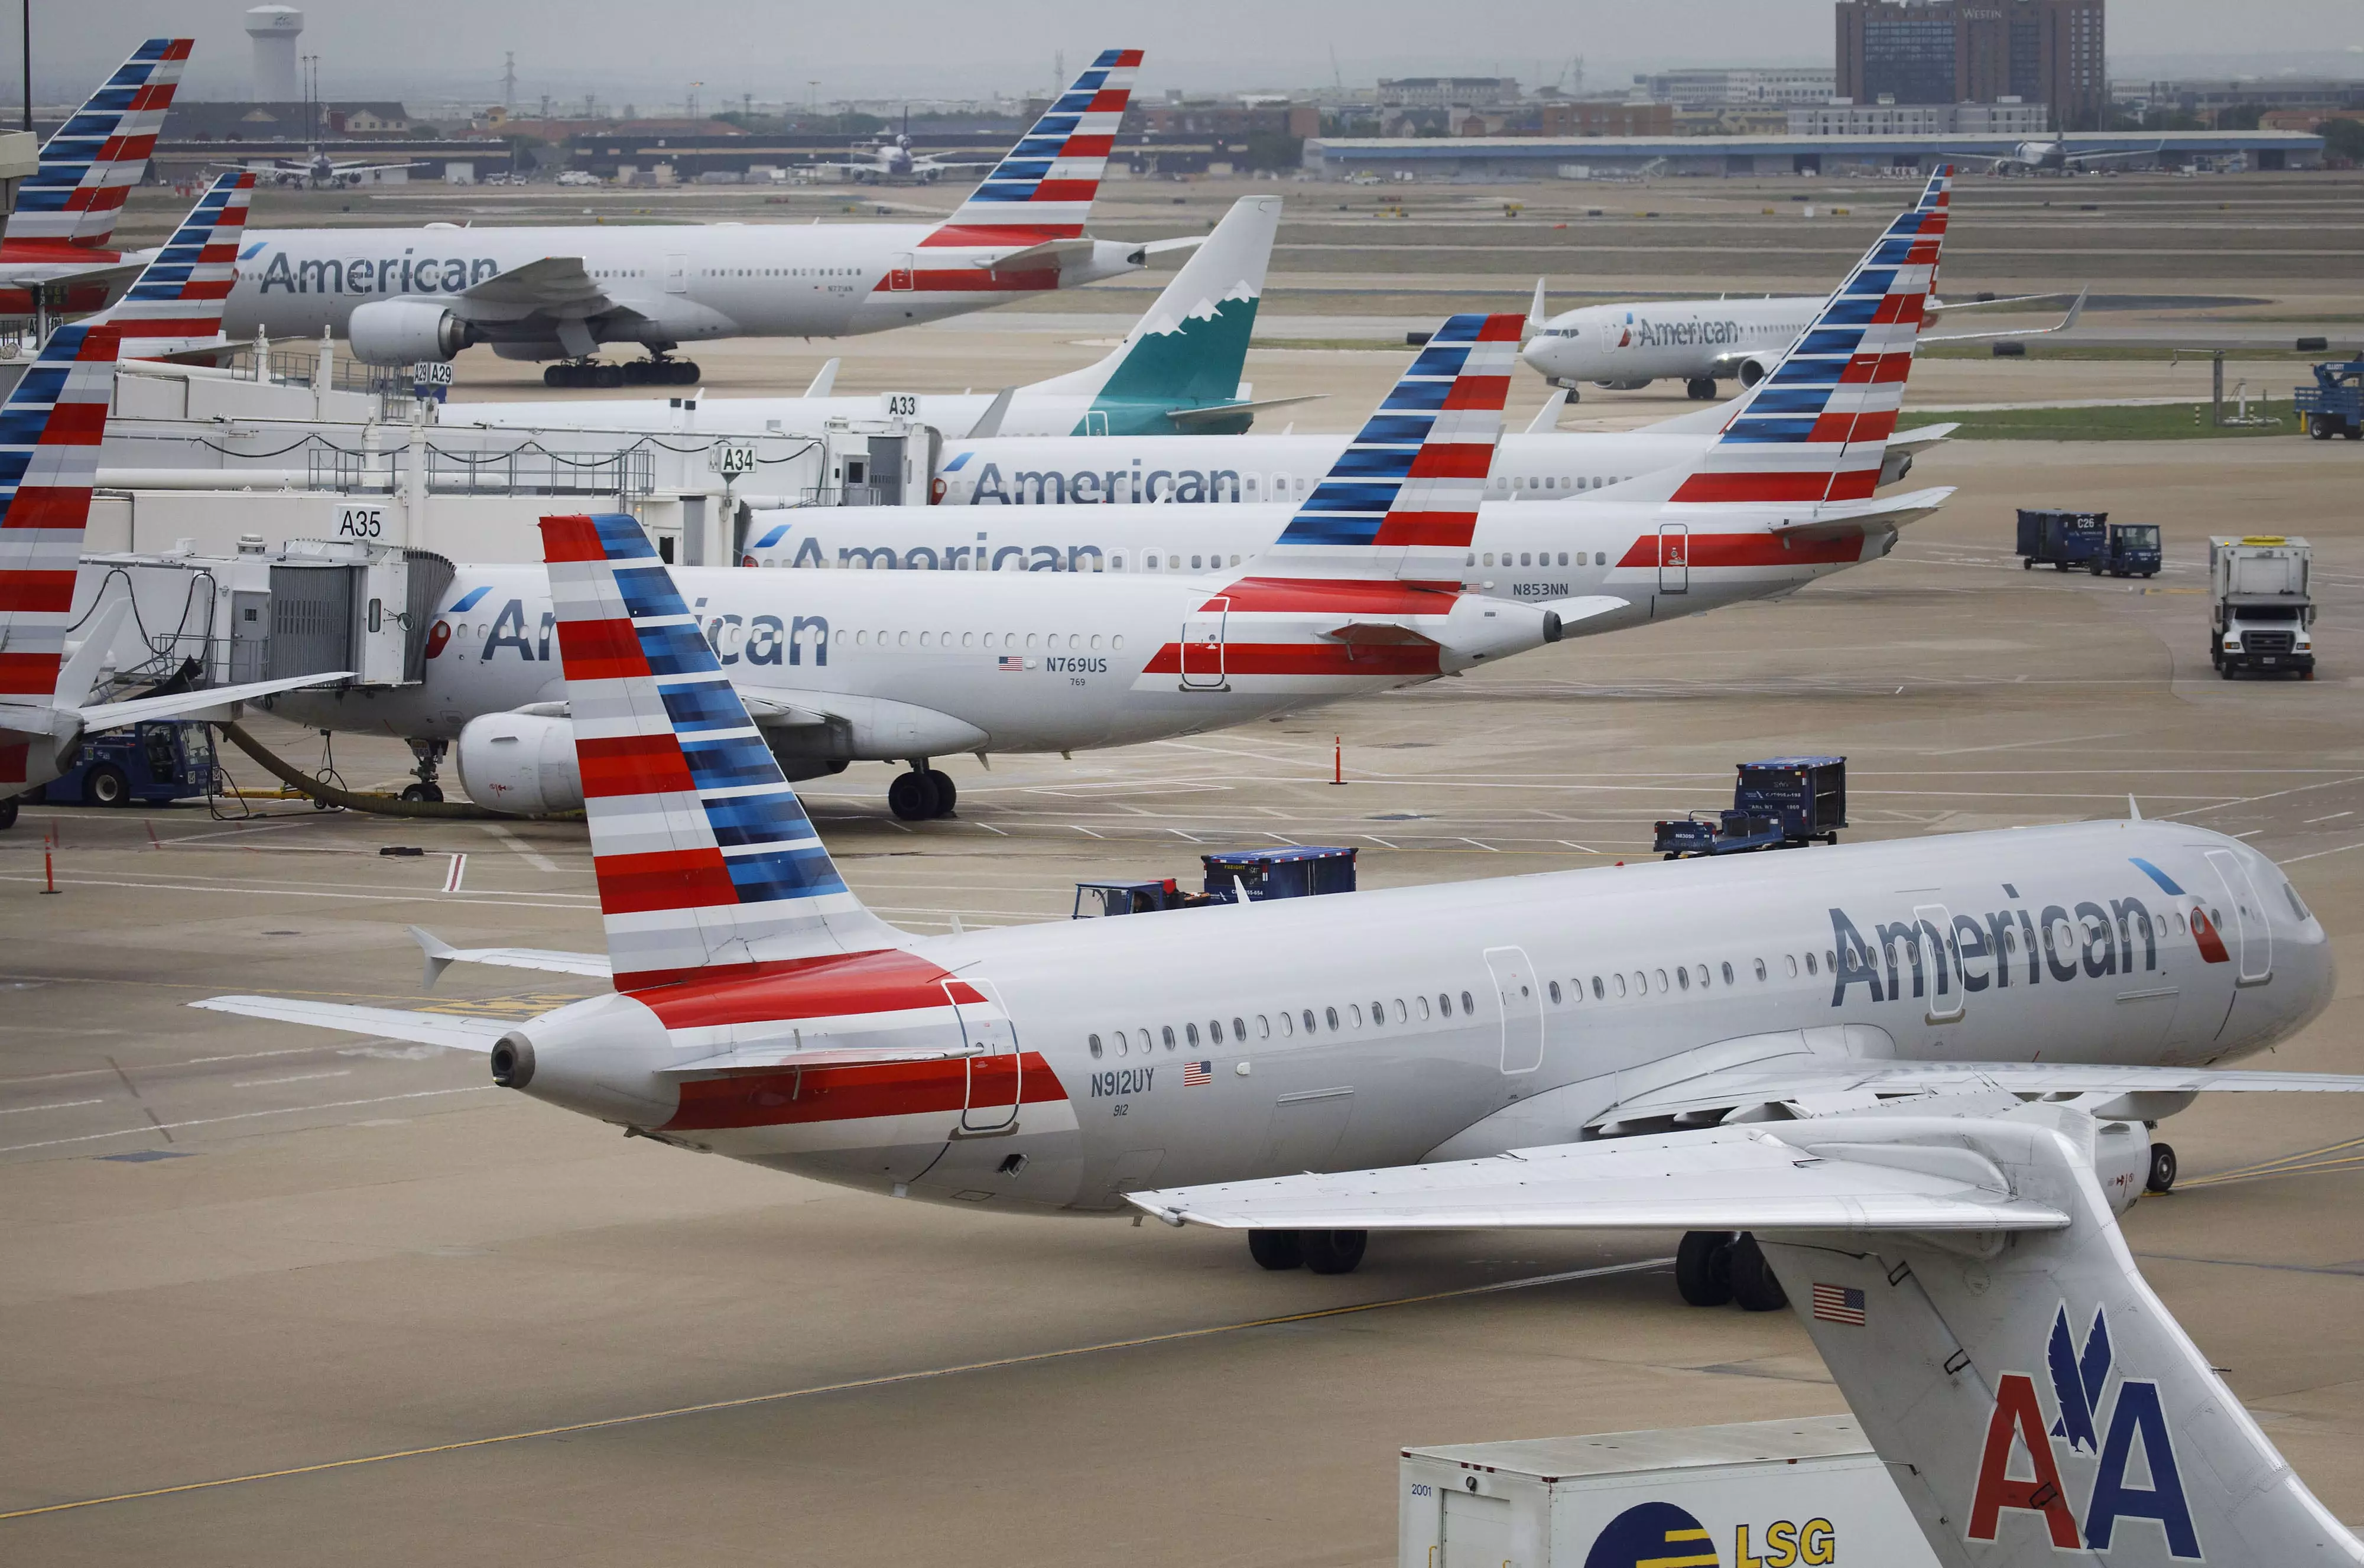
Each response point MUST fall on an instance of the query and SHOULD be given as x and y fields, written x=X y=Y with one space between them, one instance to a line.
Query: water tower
x=274 y=30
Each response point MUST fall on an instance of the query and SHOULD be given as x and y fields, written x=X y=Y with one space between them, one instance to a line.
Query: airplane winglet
x=436 y=956
x=1536 y=316
x=825 y=382
x=2134 y=811
x=989 y=422
x=1546 y=419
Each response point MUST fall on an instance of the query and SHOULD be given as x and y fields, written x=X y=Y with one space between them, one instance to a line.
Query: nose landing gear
x=921 y=795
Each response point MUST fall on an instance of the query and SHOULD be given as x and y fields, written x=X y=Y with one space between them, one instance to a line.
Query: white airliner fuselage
x=1385 y=1028
x=1695 y=340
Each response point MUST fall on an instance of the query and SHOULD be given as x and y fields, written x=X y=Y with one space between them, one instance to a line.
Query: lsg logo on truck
x=2133 y=1442
x=1660 y=1535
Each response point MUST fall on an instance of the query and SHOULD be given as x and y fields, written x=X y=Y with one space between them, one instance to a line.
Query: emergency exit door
x=1203 y=646
x=1674 y=558
x=898 y=276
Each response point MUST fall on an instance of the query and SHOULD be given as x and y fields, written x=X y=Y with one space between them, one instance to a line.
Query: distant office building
x=2050 y=52
x=1920 y=119
x=1583 y=116
x=199 y=120
x=2207 y=99
x=1448 y=91
x=1730 y=86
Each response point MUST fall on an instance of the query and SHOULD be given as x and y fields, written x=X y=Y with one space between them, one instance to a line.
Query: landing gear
x=1276 y=1250
x=1703 y=1267
x=2163 y=1169
x=1700 y=388
x=1333 y=1252
x=7 y=812
x=1753 y=1284
x=431 y=754
x=659 y=371
x=922 y=794
x=571 y=373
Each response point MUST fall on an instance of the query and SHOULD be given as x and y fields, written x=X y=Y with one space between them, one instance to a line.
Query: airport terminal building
x=1612 y=156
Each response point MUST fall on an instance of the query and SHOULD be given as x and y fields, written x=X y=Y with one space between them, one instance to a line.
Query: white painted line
x=294 y=1078
x=393 y=896
x=531 y=856
x=53 y=1105
x=249 y=1055
x=459 y=870
x=2333 y=817
x=2320 y=853
x=244 y=1116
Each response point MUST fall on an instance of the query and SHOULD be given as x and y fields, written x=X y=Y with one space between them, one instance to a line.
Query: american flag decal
x=1197 y=1074
x=1838 y=1304
x=1011 y=661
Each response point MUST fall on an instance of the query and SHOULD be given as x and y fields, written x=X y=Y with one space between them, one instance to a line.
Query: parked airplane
x=1957 y=1261
x=405 y=295
x=877 y=668
x=2053 y=157
x=1782 y=494
x=1178 y=369
x=759 y=1011
x=64 y=217
x=1701 y=341
x=51 y=426
x=315 y=171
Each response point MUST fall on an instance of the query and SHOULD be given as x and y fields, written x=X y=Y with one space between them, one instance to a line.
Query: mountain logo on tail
x=2120 y=1439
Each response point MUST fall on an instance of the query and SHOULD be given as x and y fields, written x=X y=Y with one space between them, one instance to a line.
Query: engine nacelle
x=1752 y=371
x=405 y=331
x=2121 y=1160
x=1479 y=628
x=522 y=763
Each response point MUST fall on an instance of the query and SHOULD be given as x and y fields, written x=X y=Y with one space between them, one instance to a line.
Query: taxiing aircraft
x=891 y=159
x=1700 y=341
x=51 y=427
x=315 y=171
x=2054 y=157
x=759 y=1011
x=1782 y=491
x=401 y=296
x=1358 y=595
x=58 y=236
x=1178 y=369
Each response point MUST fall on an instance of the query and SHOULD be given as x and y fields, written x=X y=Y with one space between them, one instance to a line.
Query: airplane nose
x=602 y=1058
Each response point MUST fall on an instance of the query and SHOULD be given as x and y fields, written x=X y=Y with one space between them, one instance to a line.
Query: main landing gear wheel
x=1276 y=1250
x=947 y=791
x=7 y=812
x=2163 y=1169
x=1753 y=1284
x=1703 y=1267
x=1333 y=1252
x=420 y=793
x=658 y=371
x=920 y=794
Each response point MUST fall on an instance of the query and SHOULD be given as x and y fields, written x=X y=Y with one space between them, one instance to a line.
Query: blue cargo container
x=2062 y=539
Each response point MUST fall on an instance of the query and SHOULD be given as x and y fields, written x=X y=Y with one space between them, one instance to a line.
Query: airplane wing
x=1734 y=1178
x=2076 y=309
x=557 y=286
x=1186 y=418
x=440 y=955
x=1182 y=242
x=190 y=705
x=1818 y=1084
x=457 y=1030
x=1921 y=438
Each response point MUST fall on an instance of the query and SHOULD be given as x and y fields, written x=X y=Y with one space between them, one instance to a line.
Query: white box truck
x=1800 y=1493
x=2261 y=616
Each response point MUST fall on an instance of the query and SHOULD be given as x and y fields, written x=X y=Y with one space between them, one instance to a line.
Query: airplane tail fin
x=1043 y=188
x=1192 y=346
x=2038 y=1397
x=49 y=430
x=90 y=164
x=1815 y=430
x=705 y=859
x=1402 y=501
x=177 y=301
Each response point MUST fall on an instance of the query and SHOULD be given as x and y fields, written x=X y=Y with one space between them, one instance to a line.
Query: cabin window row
x=1537 y=558
x=1070 y=641
x=1312 y=1022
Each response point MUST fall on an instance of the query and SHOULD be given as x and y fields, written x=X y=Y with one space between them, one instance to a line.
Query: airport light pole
x=28 y=64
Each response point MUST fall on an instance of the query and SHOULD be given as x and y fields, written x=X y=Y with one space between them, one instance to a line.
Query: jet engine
x=405 y=331
x=1753 y=371
x=522 y=763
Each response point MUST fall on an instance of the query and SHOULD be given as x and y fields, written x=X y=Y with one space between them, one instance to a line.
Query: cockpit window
x=2291 y=894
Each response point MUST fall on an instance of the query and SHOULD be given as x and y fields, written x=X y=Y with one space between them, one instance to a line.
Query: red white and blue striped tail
x=1402 y=501
x=177 y=301
x=705 y=859
x=90 y=164
x=49 y=430
x=1043 y=188
x=1817 y=429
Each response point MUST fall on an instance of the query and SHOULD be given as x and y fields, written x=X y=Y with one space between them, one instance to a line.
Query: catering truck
x=2260 y=613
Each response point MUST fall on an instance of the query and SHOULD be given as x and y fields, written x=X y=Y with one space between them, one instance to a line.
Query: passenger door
x=1674 y=558
x=1942 y=976
x=1203 y=646
x=898 y=274
x=995 y=1070
x=2253 y=955
x=1522 y=1008
x=676 y=273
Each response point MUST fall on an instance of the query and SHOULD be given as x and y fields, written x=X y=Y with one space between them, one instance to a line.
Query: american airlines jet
x=58 y=236
x=405 y=295
x=759 y=1011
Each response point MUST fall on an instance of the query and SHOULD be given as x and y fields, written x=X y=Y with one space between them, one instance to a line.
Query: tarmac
x=275 y=1297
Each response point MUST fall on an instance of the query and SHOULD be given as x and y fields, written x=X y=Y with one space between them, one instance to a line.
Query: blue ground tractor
x=147 y=764
x=1304 y=871
x=2087 y=541
x=2334 y=405
x=1781 y=803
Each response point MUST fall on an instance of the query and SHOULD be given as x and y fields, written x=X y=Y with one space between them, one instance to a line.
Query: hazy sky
x=952 y=46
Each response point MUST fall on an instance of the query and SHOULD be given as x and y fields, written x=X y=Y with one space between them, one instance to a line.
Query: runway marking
x=2017 y=745
x=2333 y=817
x=293 y=1078
x=241 y=1116
x=2318 y=854
x=886 y=1380
x=53 y=1105
x=531 y=856
x=391 y=896
x=2349 y=1155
